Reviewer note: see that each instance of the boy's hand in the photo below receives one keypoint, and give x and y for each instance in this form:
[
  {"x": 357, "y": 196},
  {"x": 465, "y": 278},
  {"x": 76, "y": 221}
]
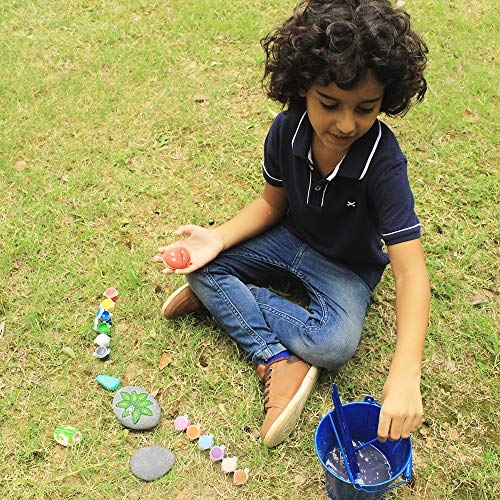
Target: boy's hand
[
  {"x": 202, "y": 244},
  {"x": 402, "y": 410}
]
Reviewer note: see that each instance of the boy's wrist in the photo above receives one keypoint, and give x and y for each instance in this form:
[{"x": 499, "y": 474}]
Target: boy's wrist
[
  {"x": 220, "y": 236},
  {"x": 411, "y": 369}
]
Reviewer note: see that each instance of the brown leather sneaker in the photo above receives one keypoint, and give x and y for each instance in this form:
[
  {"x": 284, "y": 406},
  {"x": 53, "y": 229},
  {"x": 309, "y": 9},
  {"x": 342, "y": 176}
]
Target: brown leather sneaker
[
  {"x": 287, "y": 385},
  {"x": 182, "y": 301}
]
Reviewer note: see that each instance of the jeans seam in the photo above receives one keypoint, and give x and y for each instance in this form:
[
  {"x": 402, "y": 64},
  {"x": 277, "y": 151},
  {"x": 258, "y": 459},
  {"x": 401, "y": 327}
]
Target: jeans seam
[
  {"x": 282, "y": 315},
  {"x": 235, "y": 311}
]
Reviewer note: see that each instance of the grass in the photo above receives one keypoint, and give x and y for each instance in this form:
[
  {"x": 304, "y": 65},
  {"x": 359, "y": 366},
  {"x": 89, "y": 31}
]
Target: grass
[{"x": 135, "y": 116}]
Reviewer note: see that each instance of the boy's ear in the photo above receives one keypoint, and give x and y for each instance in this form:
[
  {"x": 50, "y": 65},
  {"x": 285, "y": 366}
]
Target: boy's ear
[{"x": 302, "y": 92}]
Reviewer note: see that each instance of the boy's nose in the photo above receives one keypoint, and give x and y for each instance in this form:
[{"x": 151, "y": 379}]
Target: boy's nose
[{"x": 346, "y": 124}]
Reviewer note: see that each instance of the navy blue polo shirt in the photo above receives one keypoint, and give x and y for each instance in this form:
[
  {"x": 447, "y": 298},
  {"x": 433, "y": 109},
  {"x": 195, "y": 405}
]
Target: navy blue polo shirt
[{"x": 346, "y": 216}]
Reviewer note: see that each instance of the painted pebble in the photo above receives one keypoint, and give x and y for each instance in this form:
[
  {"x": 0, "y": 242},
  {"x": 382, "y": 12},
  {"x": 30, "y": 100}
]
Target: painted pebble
[
  {"x": 228, "y": 465},
  {"x": 206, "y": 441},
  {"x": 67, "y": 435},
  {"x": 135, "y": 408},
  {"x": 193, "y": 432},
  {"x": 176, "y": 258},
  {"x": 108, "y": 382},
  {"x": 181, "y": 423},
  {"x": 151, "y": 462},
  {"x": 241, "y": 476},
  {"x": 217, "y": 453}
]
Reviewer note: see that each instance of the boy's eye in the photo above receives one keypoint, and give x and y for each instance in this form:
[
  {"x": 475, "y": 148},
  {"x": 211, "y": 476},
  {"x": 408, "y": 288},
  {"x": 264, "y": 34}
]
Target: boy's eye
[
  {"x": 366, "y": 110},
  {"x": 329, "y": 106}
]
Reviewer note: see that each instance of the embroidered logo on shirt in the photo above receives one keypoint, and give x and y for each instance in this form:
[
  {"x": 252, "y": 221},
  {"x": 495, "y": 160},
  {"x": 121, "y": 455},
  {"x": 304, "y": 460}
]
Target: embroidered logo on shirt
[{"x": 351, "y": 204}]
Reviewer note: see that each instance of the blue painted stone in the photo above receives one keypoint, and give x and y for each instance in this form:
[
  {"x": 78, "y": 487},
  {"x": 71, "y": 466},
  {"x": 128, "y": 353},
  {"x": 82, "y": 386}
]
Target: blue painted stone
[{"x": 108, "y": 382}]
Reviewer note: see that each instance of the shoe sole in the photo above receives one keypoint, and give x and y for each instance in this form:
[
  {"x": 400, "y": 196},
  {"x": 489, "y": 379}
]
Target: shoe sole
[
  {"x": 171, "y": 297},
  {"x": 285, "y": 423}
]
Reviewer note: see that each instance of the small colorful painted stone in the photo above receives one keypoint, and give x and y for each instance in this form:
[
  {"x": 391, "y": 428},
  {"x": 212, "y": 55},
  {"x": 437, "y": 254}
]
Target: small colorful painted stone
[
  {"x": 193, "y": 432},
  {"x": 108, "y": 305},
  {"x": 111, "y": 293},
  {"x": 108, "y": 382},
  {"x": 67, "y": 435},
  {"x": 176, "y": 258},
  {"x": 102, "y": 352},
  {"x": 102, "y": 340},
  {"x": 181, "y": 423},
  {"x": 228, "y": 465},
  {"x": 136, "y": 409},
  {"x": 206, "y": 441},
  {"x": 217, "y": 453},
  {"x": 241, "y": 476}
]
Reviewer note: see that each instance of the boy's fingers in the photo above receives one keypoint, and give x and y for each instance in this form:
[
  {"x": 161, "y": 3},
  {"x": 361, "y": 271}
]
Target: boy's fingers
[
  {"x": 187, "y": 229},
  {"x": 408, "y": 428},
  {"x": 397, "y": 425},
  {"x": 384, "y": 427}
]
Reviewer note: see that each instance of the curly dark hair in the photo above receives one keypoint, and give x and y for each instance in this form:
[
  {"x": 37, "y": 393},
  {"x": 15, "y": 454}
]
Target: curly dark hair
[{"x": 341, "y": 41}]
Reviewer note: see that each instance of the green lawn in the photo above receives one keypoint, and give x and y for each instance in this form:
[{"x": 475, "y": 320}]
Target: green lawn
[{"x": 132, "y": 117}]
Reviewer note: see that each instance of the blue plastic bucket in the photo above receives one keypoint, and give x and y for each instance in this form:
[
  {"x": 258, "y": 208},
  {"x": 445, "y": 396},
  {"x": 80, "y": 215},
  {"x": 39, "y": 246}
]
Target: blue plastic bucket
[{"x": 362, "y": 421}]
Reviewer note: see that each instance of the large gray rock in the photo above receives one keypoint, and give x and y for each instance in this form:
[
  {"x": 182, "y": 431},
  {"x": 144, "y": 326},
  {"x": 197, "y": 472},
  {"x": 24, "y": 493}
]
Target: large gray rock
[
  {"x": 151, "y": 462},
  {"x": 135, "y": 408}
]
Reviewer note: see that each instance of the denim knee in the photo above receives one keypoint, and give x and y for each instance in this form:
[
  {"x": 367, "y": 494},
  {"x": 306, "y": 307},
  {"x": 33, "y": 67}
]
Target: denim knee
[{"x": 331, "y": 349}]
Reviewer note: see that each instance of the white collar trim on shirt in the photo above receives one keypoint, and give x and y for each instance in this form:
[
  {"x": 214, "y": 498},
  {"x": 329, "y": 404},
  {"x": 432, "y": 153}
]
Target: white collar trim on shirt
[{"x": 335, "y": 171}]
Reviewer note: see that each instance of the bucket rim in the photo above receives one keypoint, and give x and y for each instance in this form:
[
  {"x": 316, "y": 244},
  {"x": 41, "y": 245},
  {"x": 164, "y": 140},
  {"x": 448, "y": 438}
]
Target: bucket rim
[{"x": 393, "y": 477}]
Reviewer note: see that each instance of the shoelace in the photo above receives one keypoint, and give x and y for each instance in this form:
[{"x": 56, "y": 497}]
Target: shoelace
[{"x": 267, "y": 383}]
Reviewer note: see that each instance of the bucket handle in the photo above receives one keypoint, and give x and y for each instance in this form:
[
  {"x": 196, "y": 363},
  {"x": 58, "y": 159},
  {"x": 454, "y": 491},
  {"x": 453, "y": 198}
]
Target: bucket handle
[
  {"x": 372, "y": 401},
  {"x": 391, "y": 487}
]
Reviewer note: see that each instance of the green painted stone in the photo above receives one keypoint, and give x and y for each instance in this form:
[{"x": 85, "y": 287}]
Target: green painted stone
[
  {"x": 108, "y": 382},
  {"x": 67, "y": 435}
]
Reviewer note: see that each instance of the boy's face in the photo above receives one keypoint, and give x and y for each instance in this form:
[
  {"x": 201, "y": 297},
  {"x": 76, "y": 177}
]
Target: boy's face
[{"x": 339, "y": 117}]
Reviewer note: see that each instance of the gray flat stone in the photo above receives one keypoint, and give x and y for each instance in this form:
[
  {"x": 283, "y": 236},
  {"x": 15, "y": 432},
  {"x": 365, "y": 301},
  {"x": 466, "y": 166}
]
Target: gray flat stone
[
  {"x": 151, "y": 462},
  {"x": 135, "y": 408}
]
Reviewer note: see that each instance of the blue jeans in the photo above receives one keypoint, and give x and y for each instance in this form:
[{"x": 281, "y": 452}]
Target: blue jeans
[{"x": 263, "y": 323}]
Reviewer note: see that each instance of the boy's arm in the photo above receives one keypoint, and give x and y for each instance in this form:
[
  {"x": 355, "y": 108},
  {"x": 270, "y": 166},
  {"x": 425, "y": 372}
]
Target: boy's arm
[
  {"x": 255, "y": 218},
  {"x": 402, "y": 410},
  {"x": 205, "y": 244}
]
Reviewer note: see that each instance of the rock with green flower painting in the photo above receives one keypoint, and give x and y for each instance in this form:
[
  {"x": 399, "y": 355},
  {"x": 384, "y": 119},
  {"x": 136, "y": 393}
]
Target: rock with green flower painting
[
  {"x": 67, "y": 435},
  {"x": 136, "y": 409}
]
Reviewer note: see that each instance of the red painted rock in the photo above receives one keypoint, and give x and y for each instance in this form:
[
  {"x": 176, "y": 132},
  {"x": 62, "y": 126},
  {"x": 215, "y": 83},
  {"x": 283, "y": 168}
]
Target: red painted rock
[{"x": 176, "y": 258}]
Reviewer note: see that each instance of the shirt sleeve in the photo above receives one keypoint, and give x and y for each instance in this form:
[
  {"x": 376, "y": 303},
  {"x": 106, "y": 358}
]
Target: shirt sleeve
[
  {"x": 270, "y": 165},
  {"x": 394, "y": 205}
]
